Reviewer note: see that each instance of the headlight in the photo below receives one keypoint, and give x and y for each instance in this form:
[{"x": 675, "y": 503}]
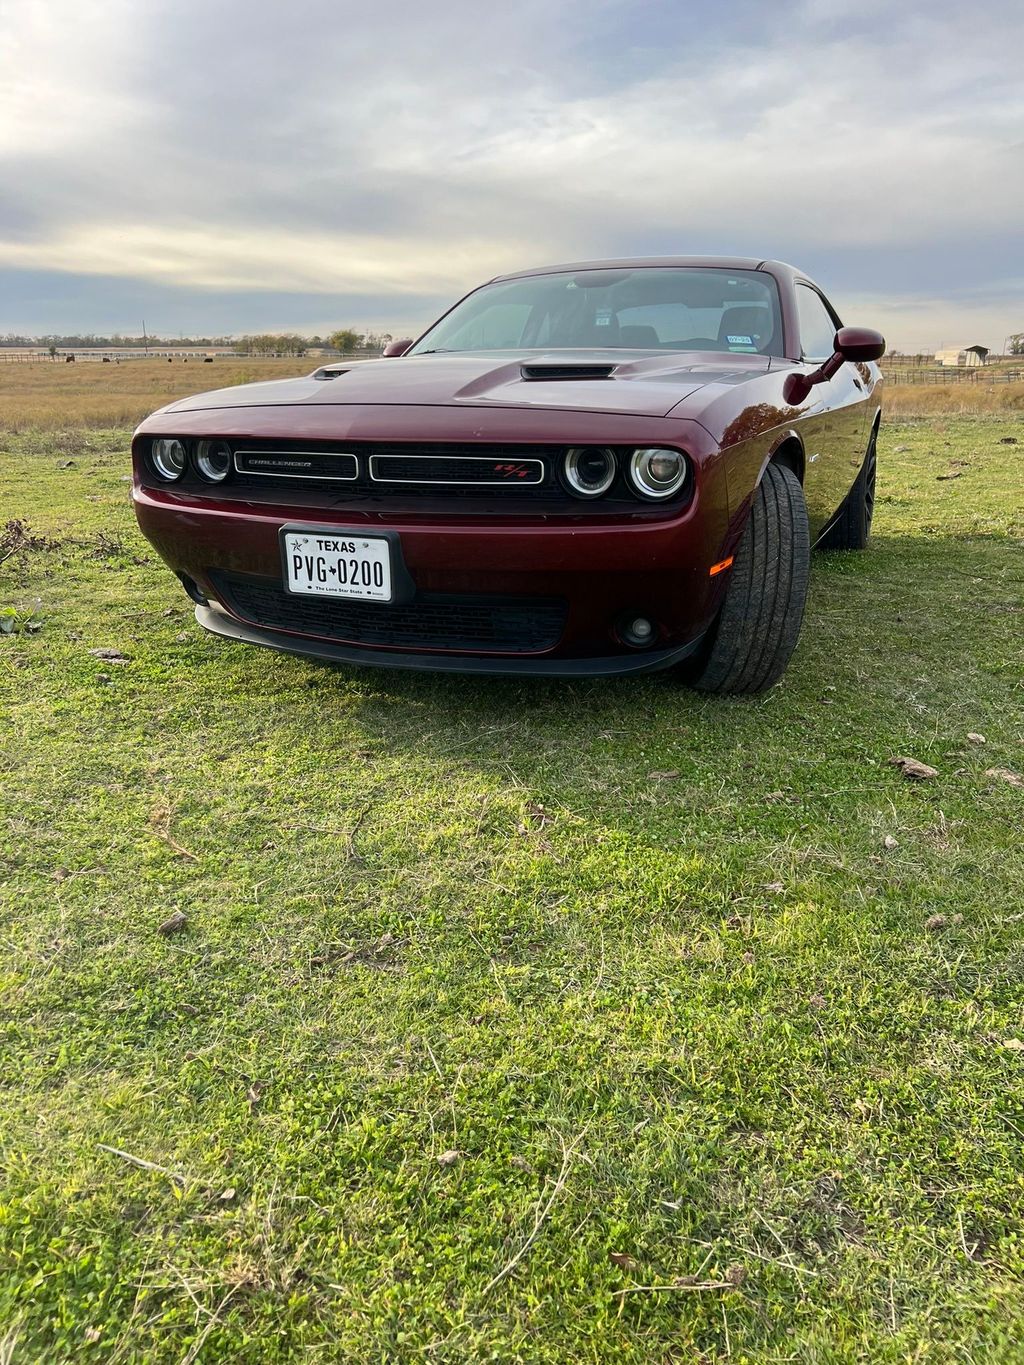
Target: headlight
[
  {"x": 657, "y": 473},
  {"x": 213, "y": 460},
  {"x": 168, "y": 458},
  {"x": 590, "y": 470}
]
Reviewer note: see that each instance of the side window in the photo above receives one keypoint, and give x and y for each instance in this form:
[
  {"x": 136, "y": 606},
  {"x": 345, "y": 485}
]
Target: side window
[{"x": 817, "y": 325}]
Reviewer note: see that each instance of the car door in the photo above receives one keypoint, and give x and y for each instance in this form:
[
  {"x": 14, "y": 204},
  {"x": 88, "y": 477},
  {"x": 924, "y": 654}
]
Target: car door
[{"x": 833, "y": 428}]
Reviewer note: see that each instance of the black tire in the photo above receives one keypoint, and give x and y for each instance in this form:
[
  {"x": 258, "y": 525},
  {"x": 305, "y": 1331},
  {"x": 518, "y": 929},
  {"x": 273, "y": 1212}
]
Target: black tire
[
  {"x": 759, "y": 623},
  {"x": 852, "y": 528}
]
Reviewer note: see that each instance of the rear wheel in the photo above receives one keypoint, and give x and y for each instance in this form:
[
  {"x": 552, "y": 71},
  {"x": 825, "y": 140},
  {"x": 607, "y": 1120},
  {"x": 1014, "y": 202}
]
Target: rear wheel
[
  {"x": 851, "y": 529},
  {"x": 759, "y": 623}
]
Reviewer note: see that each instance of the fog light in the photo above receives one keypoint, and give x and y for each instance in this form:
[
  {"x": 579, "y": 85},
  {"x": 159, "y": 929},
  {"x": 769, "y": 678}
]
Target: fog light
[
  {"x": 589, "y": 470},
  {"x": 192, "y": 588},
  {"x": 637, "y": 631},
  {"x": 213, "y": 460},
  {"x": 169, "y": 459},
  {"x": 656, "y": 473}
]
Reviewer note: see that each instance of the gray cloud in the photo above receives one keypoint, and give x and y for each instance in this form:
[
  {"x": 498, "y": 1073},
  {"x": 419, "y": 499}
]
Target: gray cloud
[{"x": 400, "y": 153}]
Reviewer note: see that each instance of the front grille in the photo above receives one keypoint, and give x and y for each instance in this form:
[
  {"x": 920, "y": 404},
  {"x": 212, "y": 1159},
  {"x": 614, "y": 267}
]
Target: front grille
[
  {"x": 477, "y": 477},
  {"x": 297, "y": 464},
  {"x": 459, "y": 470},
  {"x": 443, "y": 621},
  {"x": 360, "y": 468}
]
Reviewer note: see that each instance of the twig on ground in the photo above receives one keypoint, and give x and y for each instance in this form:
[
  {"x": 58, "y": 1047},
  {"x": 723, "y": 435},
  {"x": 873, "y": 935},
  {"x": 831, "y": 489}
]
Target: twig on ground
[
  {"x": 1009, "y": 1123},
  {"x": 317, "y": 829},
  {"x": 350, "y": 846},
  {"x": 451, "y": 1092},
  {"x": 197, "y": 1345},
  {"x": 700, "y": 1287},
  {"x": 540, "y": 1218},
  {"x": 160, "y": 823},
  {"x": 786, "y": 1252},
  {"x": 8, "y": 1343},
  {"x": 145, "y": 1165},
  {"x": 430, "y": 1051},
  {"x": 348, "y": 835},
  {"x": 761, "y": 1256}
]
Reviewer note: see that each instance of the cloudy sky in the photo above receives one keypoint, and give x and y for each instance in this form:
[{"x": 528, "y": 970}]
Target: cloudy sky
[{"x": 214, "y": 166}]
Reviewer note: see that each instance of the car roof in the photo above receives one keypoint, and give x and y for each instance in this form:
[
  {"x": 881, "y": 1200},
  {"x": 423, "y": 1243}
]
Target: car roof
[{"x": 665, "y": 262}]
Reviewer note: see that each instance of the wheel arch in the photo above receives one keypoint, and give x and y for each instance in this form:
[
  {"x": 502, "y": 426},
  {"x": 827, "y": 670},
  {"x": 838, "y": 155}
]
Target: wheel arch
[{"x": 788, "y": 450}]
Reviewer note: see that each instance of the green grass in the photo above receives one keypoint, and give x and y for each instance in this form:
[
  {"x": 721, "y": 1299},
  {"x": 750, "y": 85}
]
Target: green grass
[{"x": 650, "y": 963}]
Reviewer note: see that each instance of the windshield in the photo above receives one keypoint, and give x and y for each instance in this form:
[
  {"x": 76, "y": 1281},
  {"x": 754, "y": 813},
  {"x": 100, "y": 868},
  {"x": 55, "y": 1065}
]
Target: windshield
[{"x": 650, "y": 308}]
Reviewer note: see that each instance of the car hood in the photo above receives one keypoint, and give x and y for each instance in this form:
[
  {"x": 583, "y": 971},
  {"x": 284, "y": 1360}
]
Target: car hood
[{"x": 636, "y": 382}]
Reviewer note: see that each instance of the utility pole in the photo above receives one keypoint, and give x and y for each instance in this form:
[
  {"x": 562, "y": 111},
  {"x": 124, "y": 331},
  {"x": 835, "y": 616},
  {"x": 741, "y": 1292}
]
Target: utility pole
[{"x": 145, "y": 339}]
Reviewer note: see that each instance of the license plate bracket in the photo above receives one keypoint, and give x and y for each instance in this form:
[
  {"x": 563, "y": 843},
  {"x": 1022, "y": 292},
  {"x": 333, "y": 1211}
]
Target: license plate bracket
[{"x": 345, "y": 564}]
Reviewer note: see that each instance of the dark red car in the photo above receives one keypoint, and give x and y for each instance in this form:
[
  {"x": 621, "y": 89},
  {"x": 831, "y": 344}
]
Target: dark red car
[{"x": 602, "y": 468}]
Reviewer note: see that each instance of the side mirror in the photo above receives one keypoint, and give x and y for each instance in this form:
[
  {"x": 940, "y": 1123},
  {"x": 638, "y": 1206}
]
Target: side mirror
[
  {"x": 857, "y": 344},
  {"x": 394, "y": 348},
  {"x": 860, "y": 344}
]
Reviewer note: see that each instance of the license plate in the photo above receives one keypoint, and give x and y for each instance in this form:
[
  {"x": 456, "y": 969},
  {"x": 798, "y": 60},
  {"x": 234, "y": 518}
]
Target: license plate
[{"x": 338, "y": 566}]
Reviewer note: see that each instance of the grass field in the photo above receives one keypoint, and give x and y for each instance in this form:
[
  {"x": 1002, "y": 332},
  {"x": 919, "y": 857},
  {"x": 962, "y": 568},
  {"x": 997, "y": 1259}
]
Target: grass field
[{"x": 575, "y": 1022}]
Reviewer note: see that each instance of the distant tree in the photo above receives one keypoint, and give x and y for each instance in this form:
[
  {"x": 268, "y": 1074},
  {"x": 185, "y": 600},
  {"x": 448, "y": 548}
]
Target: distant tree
[
  {"x": 345, "y": 339},
  {"x": 53, "y": 351},
  {"x": 271, "y": 343},
  {"x": 1016, "y": 342},
  {"x": 376, "y": 341}
]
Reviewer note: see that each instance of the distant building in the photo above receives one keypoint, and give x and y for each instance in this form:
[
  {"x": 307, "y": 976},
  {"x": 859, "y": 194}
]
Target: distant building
[{"x": 962, "y": 355}]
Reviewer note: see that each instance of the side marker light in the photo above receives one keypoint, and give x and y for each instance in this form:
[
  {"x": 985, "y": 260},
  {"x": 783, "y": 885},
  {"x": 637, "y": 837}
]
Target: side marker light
[{"x": 721, "y": 566}]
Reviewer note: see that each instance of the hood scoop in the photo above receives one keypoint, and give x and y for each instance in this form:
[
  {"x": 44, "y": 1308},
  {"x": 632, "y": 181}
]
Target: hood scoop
[
  {"x": 329, "y": 372},
  {"x": 550, "y": 371}
]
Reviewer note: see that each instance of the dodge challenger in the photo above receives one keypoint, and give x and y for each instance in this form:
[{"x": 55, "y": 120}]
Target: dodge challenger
[{"x": 599, "y": 468}]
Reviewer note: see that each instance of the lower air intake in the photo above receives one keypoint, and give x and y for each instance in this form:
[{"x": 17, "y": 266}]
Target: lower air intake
[{"x": 442, "y": 621}]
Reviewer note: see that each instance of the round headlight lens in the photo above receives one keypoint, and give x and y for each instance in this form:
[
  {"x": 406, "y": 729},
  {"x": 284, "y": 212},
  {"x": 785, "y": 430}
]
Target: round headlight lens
[
  {"x": 169, "y": 459},
  {"x": 213, "y": 460},
  {"x": 590, "y": 470},
  {"x": 657, "y": 473}
]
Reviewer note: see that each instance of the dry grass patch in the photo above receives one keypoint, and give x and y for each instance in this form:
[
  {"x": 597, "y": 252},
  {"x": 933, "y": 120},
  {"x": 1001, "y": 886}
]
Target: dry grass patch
[
  {"x": 952, "y": 400},
  {"x": 89, "y": 394},
  {"x": 51, "y": 397}
]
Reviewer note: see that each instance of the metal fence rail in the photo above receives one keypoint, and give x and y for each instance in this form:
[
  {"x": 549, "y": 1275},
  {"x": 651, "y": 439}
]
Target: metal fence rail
[
  {"x": 975, "y": 374},
  {"x": 908, "y": 370},
  {"x": 16, "y": 357}
]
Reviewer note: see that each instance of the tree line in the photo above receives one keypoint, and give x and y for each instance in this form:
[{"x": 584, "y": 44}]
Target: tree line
[
  {"x": 89, "y": 340},
  {"x": 346, "y": 339}
]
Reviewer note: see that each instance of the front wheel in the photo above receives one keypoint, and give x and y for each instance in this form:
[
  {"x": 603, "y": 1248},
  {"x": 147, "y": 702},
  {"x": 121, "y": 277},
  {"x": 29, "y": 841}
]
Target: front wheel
[{"x": 759, "y": 623}]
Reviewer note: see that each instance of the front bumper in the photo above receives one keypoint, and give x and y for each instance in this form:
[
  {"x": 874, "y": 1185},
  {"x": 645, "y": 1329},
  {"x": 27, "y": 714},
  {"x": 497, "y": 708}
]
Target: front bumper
[
  {"x": 214, "y": 619},
  {"x": 599, "y": 572}
]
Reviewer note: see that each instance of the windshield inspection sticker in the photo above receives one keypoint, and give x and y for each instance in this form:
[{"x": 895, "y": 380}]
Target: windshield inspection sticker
[
  {"x": 740, "y": 341},
  {"x": 603, "y": 318}
]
